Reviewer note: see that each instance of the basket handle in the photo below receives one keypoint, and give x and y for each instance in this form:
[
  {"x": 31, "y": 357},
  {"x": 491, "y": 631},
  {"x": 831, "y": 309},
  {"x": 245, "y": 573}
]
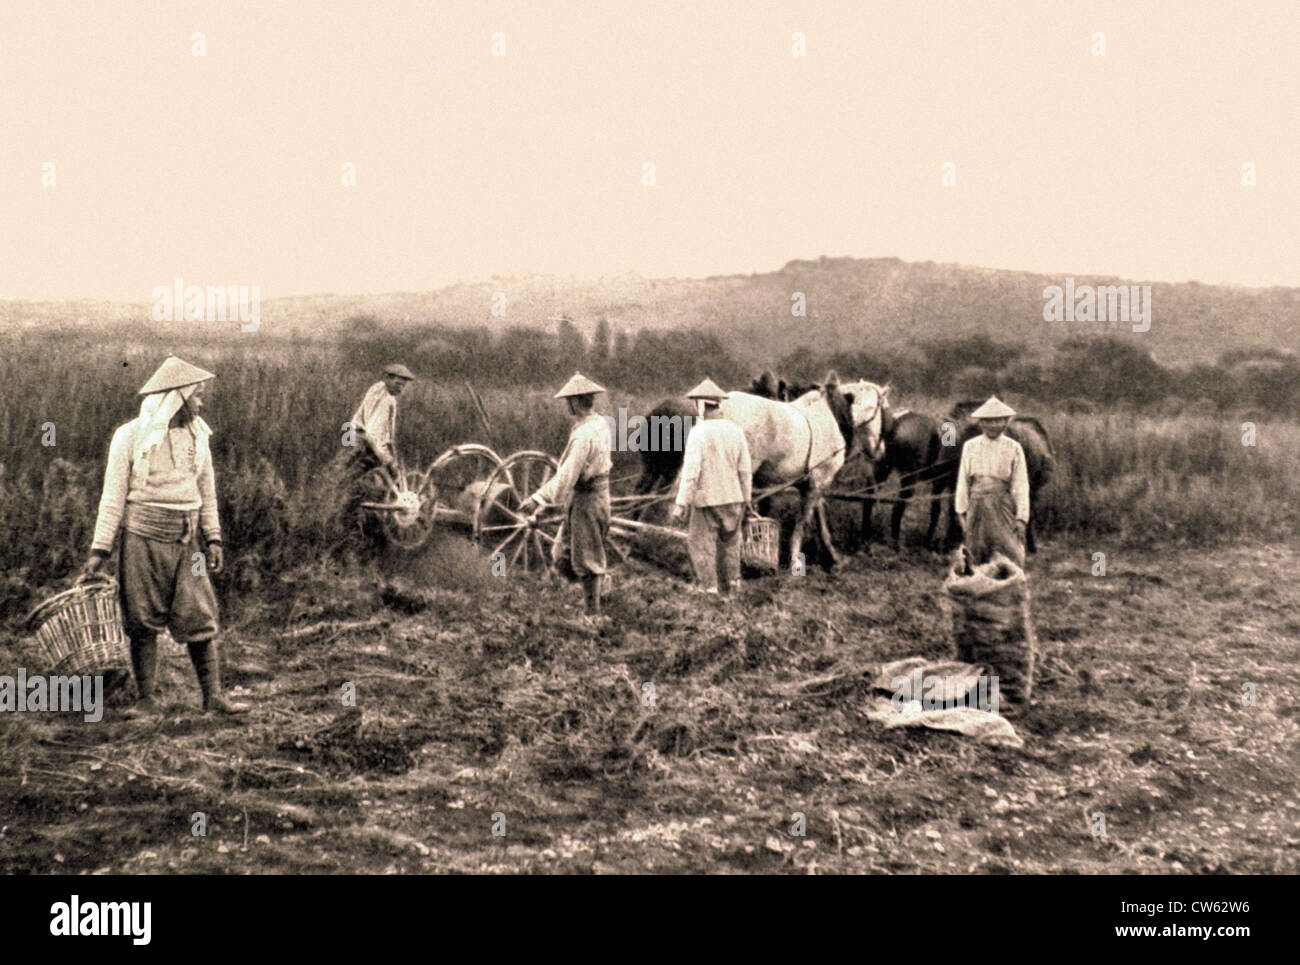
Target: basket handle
[{"x": 85, "y": 579}]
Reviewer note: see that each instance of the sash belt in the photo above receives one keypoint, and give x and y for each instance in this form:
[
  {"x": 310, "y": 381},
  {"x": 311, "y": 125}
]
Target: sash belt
[
  {"x": 982, "y": 485},
  {"x": 163, "y": 525}
]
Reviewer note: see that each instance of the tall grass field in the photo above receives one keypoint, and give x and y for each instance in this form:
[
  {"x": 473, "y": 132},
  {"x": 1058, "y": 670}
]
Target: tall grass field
[{"x": 277, "y": 409}]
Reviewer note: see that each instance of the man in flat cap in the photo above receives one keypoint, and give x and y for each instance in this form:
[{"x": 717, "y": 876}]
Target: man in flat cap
[
  {"x": 375, "y": 420},
  {"x": 582, "y": 484},
  {"x": 375, "y": 425},
  {"x": 715, "y": 487},
  {"x": 992, "y": 497},
  {"x": 160, "y": 490}
]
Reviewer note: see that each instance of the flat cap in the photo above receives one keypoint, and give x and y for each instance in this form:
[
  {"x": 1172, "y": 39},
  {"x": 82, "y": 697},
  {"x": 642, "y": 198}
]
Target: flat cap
[{"x": 398, "y": 369}]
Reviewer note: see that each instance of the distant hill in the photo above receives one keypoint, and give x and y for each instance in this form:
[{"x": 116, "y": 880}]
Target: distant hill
[{"x": 851, "y": 304}]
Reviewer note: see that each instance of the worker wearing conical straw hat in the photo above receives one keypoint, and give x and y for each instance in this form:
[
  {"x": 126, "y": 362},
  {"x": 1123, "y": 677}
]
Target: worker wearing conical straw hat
[
  {"x": 992, "y": 497},
  {"x": 581, "y": 483},
  {"x": 160, "y": 490},
  {"x": 715, "y": 488}
]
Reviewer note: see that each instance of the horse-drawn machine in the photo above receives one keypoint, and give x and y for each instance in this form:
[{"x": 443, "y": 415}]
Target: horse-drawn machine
[
  {"x": 471, "y": 488},
  {"x": 800, "y": 445}
]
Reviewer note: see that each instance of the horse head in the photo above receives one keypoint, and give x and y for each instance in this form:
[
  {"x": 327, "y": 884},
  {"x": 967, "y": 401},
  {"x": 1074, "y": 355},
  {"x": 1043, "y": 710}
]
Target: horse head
[{"x": 867, "y": 402}]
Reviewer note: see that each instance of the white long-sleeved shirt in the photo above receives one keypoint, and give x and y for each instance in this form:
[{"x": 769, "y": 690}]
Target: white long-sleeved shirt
[
  {"x": 376, "y": 416},
  {"x": 586, "y": 456},
  {"x": 716, "y": 468},
  {"x": 179, "y": 476},
  {"x": 1001, "y": 458}
]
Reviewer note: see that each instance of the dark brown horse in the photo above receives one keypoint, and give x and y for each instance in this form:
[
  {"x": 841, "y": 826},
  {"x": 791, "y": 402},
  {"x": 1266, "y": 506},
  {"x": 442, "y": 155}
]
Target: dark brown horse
[
  {"x": 660, "y": 464},
  {"x": 914, "y": 450}
]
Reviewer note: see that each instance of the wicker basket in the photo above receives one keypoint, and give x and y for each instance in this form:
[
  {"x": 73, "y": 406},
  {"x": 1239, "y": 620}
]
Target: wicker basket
[
  {"x": 80, "y": 630},
  {"x": 760, "y": 546}
]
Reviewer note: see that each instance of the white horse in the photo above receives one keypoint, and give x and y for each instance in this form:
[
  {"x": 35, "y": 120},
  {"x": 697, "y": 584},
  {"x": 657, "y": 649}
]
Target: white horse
[{"x": 806, "y": 442}]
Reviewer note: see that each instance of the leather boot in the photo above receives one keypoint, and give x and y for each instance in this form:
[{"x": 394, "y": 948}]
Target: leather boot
[
  {"x": 207, "y": 667},
  {"x": 591, "y": 589},
  {"x": 144, "y": 667},
  {"x": 144, "y": 664}
]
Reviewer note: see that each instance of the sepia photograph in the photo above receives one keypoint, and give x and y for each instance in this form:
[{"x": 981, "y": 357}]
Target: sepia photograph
[{"x": 692, "y": 438}]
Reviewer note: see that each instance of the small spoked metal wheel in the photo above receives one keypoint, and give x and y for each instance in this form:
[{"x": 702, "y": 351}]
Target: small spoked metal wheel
[
  {"x": 411, "y": 523},
  {"x": 407, "y": 517},
  {"x": 524, "y": 542}
]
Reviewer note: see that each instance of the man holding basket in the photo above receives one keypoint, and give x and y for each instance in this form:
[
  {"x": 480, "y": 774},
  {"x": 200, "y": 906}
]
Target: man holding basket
[{"x": 160, "y": 490}]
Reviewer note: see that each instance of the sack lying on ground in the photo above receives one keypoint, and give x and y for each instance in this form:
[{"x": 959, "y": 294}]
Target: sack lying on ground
[
  {"x": 979, "y": 724},
  {"x": 944, "y": 682},
  {"x": 991, "y": 624}
]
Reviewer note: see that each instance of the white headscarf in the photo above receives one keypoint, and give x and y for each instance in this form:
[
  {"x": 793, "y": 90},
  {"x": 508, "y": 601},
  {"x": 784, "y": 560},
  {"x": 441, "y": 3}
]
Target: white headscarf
[{"x": 156, "y": 412}]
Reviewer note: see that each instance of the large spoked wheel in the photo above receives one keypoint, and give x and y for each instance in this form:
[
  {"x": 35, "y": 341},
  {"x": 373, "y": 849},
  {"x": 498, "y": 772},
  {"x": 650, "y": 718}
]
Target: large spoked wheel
[
  {"x": 456, "y": 480},
  {"x": 525, "y": 543}
]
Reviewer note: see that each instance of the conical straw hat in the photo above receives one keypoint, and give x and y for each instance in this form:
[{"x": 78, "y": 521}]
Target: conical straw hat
[
  {"x": 174, "y": 373},
  {"x": 579, "y": 385},
  {"x": 994, "y": 408},
  {"x": 707, "y": 390}
]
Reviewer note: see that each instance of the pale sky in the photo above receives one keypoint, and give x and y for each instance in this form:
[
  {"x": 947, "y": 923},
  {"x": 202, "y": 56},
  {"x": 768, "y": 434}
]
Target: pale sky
[{"x": 226, "y": 168}]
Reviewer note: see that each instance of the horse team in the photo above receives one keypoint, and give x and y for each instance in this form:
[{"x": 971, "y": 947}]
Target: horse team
[{"x": 802, "y": 436}]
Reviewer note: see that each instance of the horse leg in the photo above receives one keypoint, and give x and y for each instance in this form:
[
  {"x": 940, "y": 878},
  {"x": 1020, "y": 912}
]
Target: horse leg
[
  {"x": 816, "y": 518},
  {"x": 1031, "y": 544},
  {"x": 796, "y": 542},
  {"x": 879, "y": 474},
  {"x": 896, "y": 519},
  {"x": 824, "y": 530},
  {"x": 804, "y": 517},
  {"x": 665, "y": 489},
  {"x": 936, "y": 507}
]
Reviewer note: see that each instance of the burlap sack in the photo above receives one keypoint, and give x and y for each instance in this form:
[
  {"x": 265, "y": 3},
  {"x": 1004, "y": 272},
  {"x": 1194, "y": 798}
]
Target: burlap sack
[{"x": 991, "y": 625}]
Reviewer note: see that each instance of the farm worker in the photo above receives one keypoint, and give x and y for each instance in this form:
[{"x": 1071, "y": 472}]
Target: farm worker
[
  {"x": 375, "y": 424},
  {"x": 992, "y": 497},
  {"x": 715, "y": 487},
  {"x": 581, "y": 483},
  {"x": 376, "y": 418},
  {"x": 159, "y": 488}
]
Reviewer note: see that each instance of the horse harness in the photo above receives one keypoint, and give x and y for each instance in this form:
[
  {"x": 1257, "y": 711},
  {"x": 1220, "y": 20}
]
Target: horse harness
[{"x": 807, "y": 463}]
